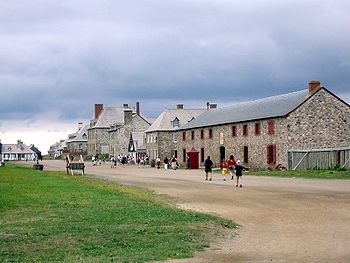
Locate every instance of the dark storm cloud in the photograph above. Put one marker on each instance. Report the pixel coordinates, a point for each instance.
(65, 56)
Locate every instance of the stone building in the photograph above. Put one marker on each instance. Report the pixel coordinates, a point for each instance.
(77, 142)
(130, 131)
(161, 136)
(260, 133)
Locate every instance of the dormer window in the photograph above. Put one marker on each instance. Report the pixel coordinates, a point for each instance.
(175, 122)
(84, 136)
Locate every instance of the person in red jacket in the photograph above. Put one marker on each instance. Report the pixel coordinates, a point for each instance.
(224, 167)
(231, 166)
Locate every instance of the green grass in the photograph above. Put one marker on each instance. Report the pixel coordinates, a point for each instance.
(54, 217)
(312, 174)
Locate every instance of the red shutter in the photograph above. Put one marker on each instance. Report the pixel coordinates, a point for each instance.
(274, 154)
(268, 154)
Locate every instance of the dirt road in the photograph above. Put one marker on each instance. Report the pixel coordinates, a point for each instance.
(282, 219)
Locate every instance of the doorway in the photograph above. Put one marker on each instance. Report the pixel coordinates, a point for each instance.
(222, 153)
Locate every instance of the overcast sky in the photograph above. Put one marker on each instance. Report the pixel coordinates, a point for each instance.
(59, 58)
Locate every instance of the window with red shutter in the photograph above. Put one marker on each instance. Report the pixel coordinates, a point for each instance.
(271, 154)
(192, 135)
(271, 127)
(245, 154)
(184, 136)
(245, 130)
(210, 133)
(257, 129)
(234, 131)
(202, 134)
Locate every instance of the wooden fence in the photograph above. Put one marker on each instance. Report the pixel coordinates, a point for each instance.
(319, 158)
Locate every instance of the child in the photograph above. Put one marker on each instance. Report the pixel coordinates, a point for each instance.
(224, 167)
(231, 165)
(239, 173)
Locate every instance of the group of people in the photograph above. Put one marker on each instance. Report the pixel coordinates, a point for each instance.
(173, 162)
(231, 165)
(127, 160)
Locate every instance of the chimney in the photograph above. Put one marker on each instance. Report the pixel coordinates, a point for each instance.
(80, 126)
(137, 108)
(127, 115)
(98, 110)
(19, 142)
(208, 105)
(213, 106)
(179, 106)
(314, 85)
(125, 105)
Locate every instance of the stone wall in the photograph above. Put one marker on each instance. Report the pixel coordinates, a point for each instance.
(160, 144)
(98, 140)
(321, 122)
(222, 137)
(119, 139)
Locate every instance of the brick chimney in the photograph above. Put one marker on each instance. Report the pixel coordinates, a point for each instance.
(208, 104)
(137, 108)
(125, 105)
(179, 106)
(213, 106)
(80, 126)
(314, 85)
(98, 110)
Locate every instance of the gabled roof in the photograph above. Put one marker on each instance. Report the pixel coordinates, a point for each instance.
(270, 107)
(79, 135)
(109, 116)
(164, 121)
(16, 148)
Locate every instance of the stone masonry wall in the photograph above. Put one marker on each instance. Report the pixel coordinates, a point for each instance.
(119, 139)
(322, 122)
(222, 137)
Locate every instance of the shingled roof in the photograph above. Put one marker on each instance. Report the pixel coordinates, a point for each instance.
(164, 122)
(270, 107)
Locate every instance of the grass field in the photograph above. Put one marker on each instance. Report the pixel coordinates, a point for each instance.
(51, 217)
(311, 174)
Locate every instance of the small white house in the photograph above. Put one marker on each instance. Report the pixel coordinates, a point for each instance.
(16, 152)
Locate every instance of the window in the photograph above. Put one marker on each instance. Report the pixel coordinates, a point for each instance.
(192, 135)
(257, 129)
(176, 122)
(245, 154)
(210, 133)
(271, 154)
(234, 131)
(202, 154)
(245, 130)
(202, 134)
(271, 127)
(84, 136)
(184, 155)
(174, 137)
(184, 136)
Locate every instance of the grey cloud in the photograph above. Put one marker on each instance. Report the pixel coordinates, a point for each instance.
(69, 55)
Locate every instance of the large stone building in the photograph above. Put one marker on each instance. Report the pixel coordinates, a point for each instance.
(262, 132)
(77, 142)
(161, 136)
(128, 136)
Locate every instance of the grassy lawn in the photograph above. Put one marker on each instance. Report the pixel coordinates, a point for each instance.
(312, 174)
(51, 217)
(317, 174)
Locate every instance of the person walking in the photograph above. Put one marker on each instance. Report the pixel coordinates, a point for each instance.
(231, 165)
(166, 163)
(239, 173)
(208, 164)
(158, 162)
(224, 167)
(173, 163)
